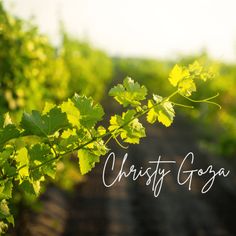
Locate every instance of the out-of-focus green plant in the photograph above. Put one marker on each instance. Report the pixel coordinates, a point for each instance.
(31, 69)
(90, 70)
(153, 73)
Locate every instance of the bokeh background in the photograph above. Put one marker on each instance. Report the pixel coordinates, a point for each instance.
(51, 49)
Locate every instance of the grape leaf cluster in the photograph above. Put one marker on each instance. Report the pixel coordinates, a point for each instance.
(30, 150)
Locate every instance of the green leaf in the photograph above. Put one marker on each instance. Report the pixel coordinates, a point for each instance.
(4, 209)
(7, 120)
(166, 113)
(90, 113)
(186, 87)
(22, 162)
(48, 107)
(7, 133)
(157, 98)
(98, 148)
(49, 169)
(5, 215)
(40, 153)
(3, 228)
(177, 74)
(1, 121)
(69, 140)
(31, 188)
(72, 113)
(152, 114)
(163, 112)
(10, 219)
(48, 124)
(130, 93)
(87, 160)
(195, 68)
(131, 131)
(116, 121)
(8, 170)
(6, 189)
(101, 130)
(206, 75)
(5, 155)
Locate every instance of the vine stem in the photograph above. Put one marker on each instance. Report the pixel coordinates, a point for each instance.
(112, 133)
(183, 105)
(206, 100)
(109, 133)
(172, 95)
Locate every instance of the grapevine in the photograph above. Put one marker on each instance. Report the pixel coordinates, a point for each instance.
(72, 126)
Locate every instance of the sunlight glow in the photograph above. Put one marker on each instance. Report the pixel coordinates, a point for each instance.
(152, 28)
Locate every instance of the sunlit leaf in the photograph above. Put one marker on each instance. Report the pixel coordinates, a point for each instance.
(87, 160)
(129, 93)
(177, 74)
(90, 113)
(44, 125)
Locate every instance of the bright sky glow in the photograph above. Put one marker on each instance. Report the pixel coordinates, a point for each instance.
(154, 28)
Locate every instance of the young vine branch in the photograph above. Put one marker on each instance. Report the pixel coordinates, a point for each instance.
(29, 151)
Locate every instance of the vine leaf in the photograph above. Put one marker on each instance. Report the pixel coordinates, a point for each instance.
(177, 74)
(7, 133)
(68, 127)
(195, 68)
(186, 87)
(6, 190)
(5, 214)
(30, 188)
(183, 78)
(4, 209)
(90, 113)
(47, 107)
(132, 130)
(40, 153)
(130, 93)
(163, 112)
(73, 113)
(87, 160)
(7, 169)
(22, 162)
(48, 124)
